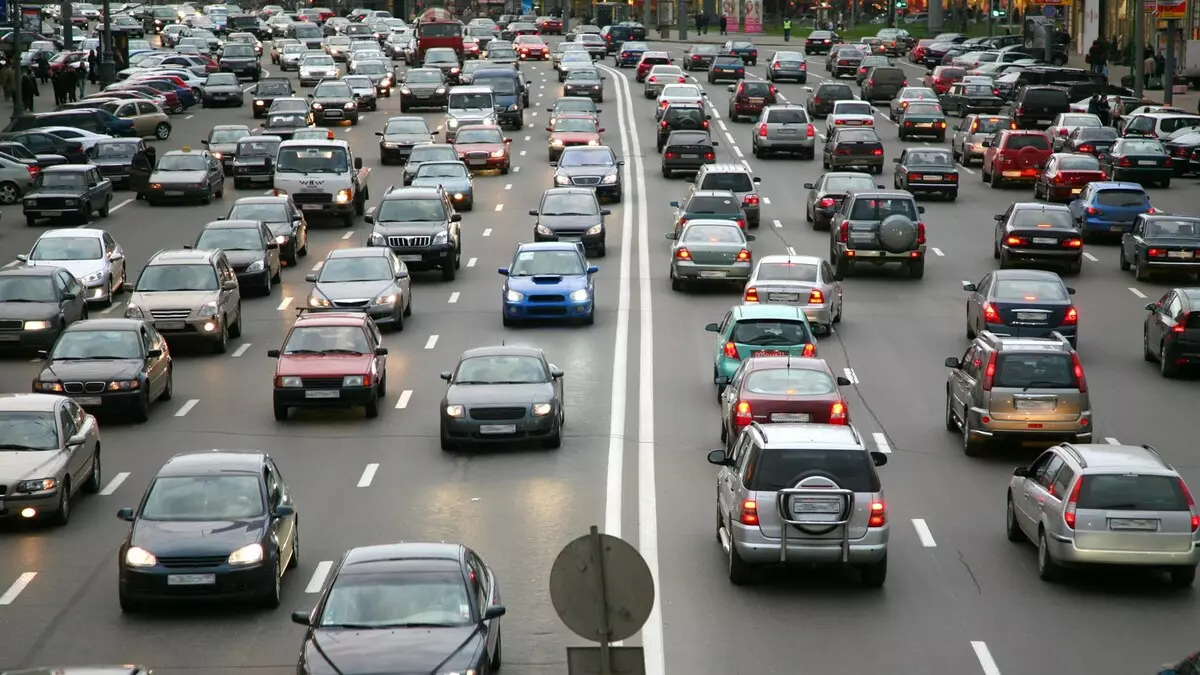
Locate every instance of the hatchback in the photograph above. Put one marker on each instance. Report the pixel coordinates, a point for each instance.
(752, 330)
(1171, 331)
(774, 389)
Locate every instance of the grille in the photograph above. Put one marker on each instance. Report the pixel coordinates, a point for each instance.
(113, 170)
(322, 382)
(569, 233)
(547, 298)
(477, 155)
(170, 314)
(3, 490)
(497, 413)
(358, 304)
(332, 112)
(586, 180)
(409, 242)
(193, 561)
(547, 310)
(9, 324)
(312, 198)
(84, 387)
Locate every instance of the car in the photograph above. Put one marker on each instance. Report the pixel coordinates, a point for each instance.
(266, 90)
(291, 104)
(823, 480)
(52, 452)
(108, 365)
(447, 585)
(749, 98)
(565, 132)
(868, 64)
(781, 390)
(1064, 176)
(352, 370)
(254, 160)
(573, 105)
(726, 67)
(420, 226)
(584, 82)
(189, 294)
(315, 67)
(882, 82)
(197, 494)
(285, 222)
(561, 49)
(222, 142)
(513, 385)
(964, 99)
(966, 142)
(241, 59)
(878, 227)
(708, 205)
(922, 118)
(571, 214)
(784, 128)
(800, 280)
(907, 96)
(531, 48)
(695, 57)
(1014, 156)
(709, 251)
(400, 135)
(483, 147)
(1171, 331)
(186, 174)
(1097, 503)
(845, 60)
(1065, 123)
(847, 147)
(660, 77)
(250, 248)
(222, 89)
(926, 171)
(941, 78)
(1143, 160)
(426, 152)
(680, 116)
(743, 49)
(1036, 107)
(336, 101)
(1029, 232)
(825, 196)
(70, 191)
(1161, 242)
(285, 125)
(596, 167)
(758, 329)
(851, 114)
(469, 106)
(381, 75)
(687, 151)
(363, 89)
(1022, 303)
(1095, 141)
(548, 280)
(1108, 209)
(787, 65)
(37, 304)
(822, 99)
(454, 178)
(678, 93)
(596, 46)
(92, 256)
(820, 42)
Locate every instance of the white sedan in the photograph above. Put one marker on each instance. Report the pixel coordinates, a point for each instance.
(851, 114)
(85, 138)
(678, 93)
(1065, 123)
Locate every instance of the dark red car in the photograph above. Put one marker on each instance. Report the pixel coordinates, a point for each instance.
(483, 147)
(943, 76)
(1065, 175)
(749, 98)
(330, 360)
(549, 25)
(1015, 156)
(782, 389)
(649, 60)
(66, 59)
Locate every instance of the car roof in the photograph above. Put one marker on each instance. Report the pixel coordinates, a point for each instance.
(725, 168)
(214, 462)
(569, 190)
(825, 436)
(1104, 456)
(789, 362)
(67, 168)
(262, 199)
(1098, 186)
(23, 271)
(751, 311)
(232, 225)
(29, 402)
(504, 350)
(1040, 206)
(790, 259)
(105, 324)
(108, 141)
(416, 191)
(359, 252)
(182, 256)
(1029, 274)
(471, 89)
(880, 194)
(331, 319)
(404, 551)
(714, 193)
(72, 232)
(227, 127)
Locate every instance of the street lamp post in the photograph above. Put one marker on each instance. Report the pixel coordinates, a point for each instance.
(106, 70)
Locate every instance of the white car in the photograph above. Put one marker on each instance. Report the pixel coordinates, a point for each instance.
(1065, 123)
(366, 55)
(290, 58)
(85, 138)
(678, 93)
(92, 256)
(660, 76)
(316, 67)
(851, 114)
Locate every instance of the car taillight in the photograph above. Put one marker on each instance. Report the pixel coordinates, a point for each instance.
(878, 514)
(810, 350)
(1166, 161)
(1191, 505)
(837, 413)
(826, 202)
(654, 78)
(995, 92)
(1019, 111)
(742, 414)
(1014, 241)
(904, 83)
(1078, 367)
(989, 373)
(682, 79)
(921, 233)
(1091, 210)
(704, 124)
(878, 152)
(914, 177)
(751, 295)
(663, 104)
(816, 297)
(664, 124)
(1125, 162)
(1179, 328)
(696, 57)
(990, 315)
(762, 131)
(683, 254)
(750, 200)
(1058, 179)
(774, 66)
(710, 155)
(837, 122)
(743, 255)
(812, 131)
(843, 62)
(731, 351)
(844, 232)
(817, 100)
(863, 71)
(1073, 504)
(1072, 317)
(1073, 243)
(33, 171)
(1062, 131)
(748, 515)
(937, 80)
(670, 155)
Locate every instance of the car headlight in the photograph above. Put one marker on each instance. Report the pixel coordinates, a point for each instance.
(31, 202)
(610, 179)
(48, 387)
(71, 202)
(208, 309)
(350, 105)
(562, 180)
(290, 382)
(513, 108)
(281, 239)
(250, 554)
(92, 278)
(580, 295)
(541, 409)
(256, 266)
(318, 106)
(440, 90)
(134, 312)
(557, 143)
(318, 300)
(455, 411)
(37, 485)
(441, 237)
(377, 239)
(514, 296)
(260, 103)
(217, 155)
(595, 229)
(452, 123)
(498, 154)
(37, 325)
(353, 381)
(140, 557)
(542, 229)
(124, 385)
(405, 90)
(343, 196)
(389, 299)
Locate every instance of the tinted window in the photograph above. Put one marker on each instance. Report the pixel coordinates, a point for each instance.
(1173, 228)
(1124, 492)
(391, 599)
(1037, 141)
(327, 339)
(734, 182)
(723, 205)
(790, 382)
(1042, 218)
(713, 234)
(231, 239)
(569, 204)
(836, 91)
(930, 158)
(204, 498)
(500, 368)
(781, 469)
(854, 108)
(787, 116)
(924, 109)
(547, 263)
(1045, 97)
(848, 183)
(1029, 290)
(857, 136)
(411, 210)
(350, 269)
(1079, 163)
(1142, 147)
(66, 248)
(97, 344)
(1126, 198)
(770, 333)
(787, 272)
(1035, 370)
(167, 278)
(879, 209)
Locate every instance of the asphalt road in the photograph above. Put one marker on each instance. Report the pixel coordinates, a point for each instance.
(959, 599)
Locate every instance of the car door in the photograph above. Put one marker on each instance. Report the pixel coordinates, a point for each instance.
(274, 262)
(280, 495)
(898, 168)
(977, 298)
(230, 298)
(374, 340)
(97, 188)
(128, 111)
(1022, 497)
(73, 303)
(1129, 239)
(1041, 500)
(722, 336)
(153, 365)
(75, 458)
(829, 278)
(147, 118)
(1002, 226)
(958, 140)
(728, 477)
(116, 261)
(962, 379)
(729, 399)
(481, 585)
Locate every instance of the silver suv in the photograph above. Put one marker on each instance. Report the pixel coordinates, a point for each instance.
(784, 128)
(1017, 389)
(737, 179)
(189, 294)
(1105, 505)
(801, 493)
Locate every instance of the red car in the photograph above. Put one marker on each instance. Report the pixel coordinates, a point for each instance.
(782, 389)
(483, 147)
(1065, 175)
(942, 77)
(66, 59)
(531, 48)
(330, 360)
(549, 25)
(470, 48)
(749, 98)
(569, 130)
(1016, 156)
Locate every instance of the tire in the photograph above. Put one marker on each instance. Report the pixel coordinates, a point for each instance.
(235, 331)
(875, 574)
(739, 570)
(1122, 261)
(1140, 272)
(916, 269)
(163, 131)
(1011, 529)
(281, 412)
(951, 423)
(449, 272)
(62, 515)
(96, 477)
(128, 604)
(554, 442)
(497, 658)
(273, 596)
(372, 407)
(1165, 367)
(222, 345)
(1048, 568)
(971, 448)
(141, 414)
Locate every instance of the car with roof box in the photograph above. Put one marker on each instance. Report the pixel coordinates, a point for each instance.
(189, 294)
(1036, 233)
(420, 225)
(68, 190)
(781, 390)
(254, 160)
(758, 329)
(548, 281)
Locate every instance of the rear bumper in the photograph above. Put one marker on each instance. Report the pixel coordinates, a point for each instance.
(1069, 332)
(1116, 228)
(690, 271)
(1064, 550)
(1068, 256)
(1078, 430)
(799, 143)
(757, 549)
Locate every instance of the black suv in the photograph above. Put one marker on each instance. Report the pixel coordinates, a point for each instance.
(877, 227)
(240, 59)
(420, 226)
(266, 91)
(681, 117)
(1036, 107)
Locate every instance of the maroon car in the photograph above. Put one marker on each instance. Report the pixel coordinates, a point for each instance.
(782, 389)
(749, 98)
(1065, 175)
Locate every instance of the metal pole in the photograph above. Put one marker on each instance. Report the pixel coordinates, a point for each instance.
(1139, 48)
(891, 15)
(1048, 47)
(681, 19)
(853, 13)
(991, 20)
(646, 14)
(935, 17)
(67, 26)
(1169, 73)
(605, 630)
(14, 62)
(106, 71)
(1009, 15)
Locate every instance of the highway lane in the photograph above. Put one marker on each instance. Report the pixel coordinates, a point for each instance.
(386, 478)
(976, 603)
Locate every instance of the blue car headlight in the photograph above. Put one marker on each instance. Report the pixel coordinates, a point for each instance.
(581, 295)
(513, 296)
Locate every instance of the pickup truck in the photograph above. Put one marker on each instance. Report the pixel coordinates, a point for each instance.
(324, 179)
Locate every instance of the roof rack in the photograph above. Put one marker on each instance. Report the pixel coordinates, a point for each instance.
(1151, 450)
(1075, 454)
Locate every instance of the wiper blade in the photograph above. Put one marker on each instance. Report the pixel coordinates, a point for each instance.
(418, 624)
(342, 351)
(1043, 383)
(19, 446)
(362, 626)
(304, 351)
(90, 358)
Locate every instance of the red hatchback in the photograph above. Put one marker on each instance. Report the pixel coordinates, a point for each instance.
(940, 78)
(1015, 156)
(1065, 175)
(330, 360)
(749, 98)
(782, 389)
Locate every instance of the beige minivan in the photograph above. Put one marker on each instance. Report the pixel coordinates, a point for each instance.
(148, 118)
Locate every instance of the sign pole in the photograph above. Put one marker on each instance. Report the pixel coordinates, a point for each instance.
(1139, 48)
(601, 583)
(1169, 73)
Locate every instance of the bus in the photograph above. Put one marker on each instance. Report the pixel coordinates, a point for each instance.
(436, 28)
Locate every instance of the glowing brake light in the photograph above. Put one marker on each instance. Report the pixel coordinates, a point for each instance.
(742, 414)
(878, 152)
(743, 255)
(810, 350)
(826, 202)
(730, 351)
(816, 297)
(1071, 318)
(1178, 328)
(683, 254)
(762, 131)
(1073, 504)
(664, 124)
(812, 131)
(990, 315)
(878, 514)
(1191, 505)
(682, 79)
(654, 78)
(1091, 210)
(1014, 241)
(1078, 368)
(1073, 243)
(837, 413)
(750, 200)
(989, 373)
(751, 295)
(749, 512)
(844, 232)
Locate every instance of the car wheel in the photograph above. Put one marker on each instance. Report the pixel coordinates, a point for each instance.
(96, 476)
(497, 659)
(1165, 367)
(163, 131)
(1121, 260)
(1140, 271)
(273, 597)
(739, 570)
(951, 422)
(1011, 527)
(142, 412)
(970, 446)
(222, 344)
(1183, 577)
(62, 515)
(235, 331)
(265, 289)
(554, 442)
(875, 574)
(1048, 568)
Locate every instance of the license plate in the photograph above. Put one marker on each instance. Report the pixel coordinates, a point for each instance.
(930, 177)
(1011, 174)
(191, 579)
(52, 213)
(9, 337)
(1044, 121)
(498, 429)
(1033, 405)
(259, 178)
(869, 254)
(1030, 316)
(712, 274)
(924, 125)
(756, 101)
(410, 258)
(791, 417)
(1144, 524)
(804, 507)
(689, 156)
(858, 236)
(1044, 240)
(174, 193)
(1179, 254)
(1147, 162)
(783, 297)
(1116, 228)
(1076, 191)
(322, 393)
(87, 400)
(310, 207)
(787, 132)
(768, 352)
(477, 162)
(169, 325)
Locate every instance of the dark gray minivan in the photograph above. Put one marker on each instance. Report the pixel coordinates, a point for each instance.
(883, 83)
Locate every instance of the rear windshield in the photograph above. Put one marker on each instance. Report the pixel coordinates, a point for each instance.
(837, 91)
(701, 205)
(1130, 492)
(887, 74)
(952, 73)
(756, 88)
(858, 136)
(880, 209)
(787, 116)
(1051, 370)
(782, 469)
(1029, 290)
(1121, 198)
(734, 182)
(770, 333)
(790, 382)
(1016, 142)
(1043, 218)
(787, 272)
(854, 108)
(1171, 124)
(1079, 163)
(1049, 97)
(1187, 229)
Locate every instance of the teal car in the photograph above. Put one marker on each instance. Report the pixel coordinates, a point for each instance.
(758, 330)
(922, 119)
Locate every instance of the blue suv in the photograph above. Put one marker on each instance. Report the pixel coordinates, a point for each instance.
(549, 280)
(1109, 209)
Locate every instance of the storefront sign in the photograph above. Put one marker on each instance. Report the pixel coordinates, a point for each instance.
(1168, 9)
(753, 16)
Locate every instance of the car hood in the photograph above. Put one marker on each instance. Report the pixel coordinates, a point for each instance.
(390, 650)
(569, 222)
(409, 227)
(449, 184)
(406, 139)
(28, 310)
(424, 86)
(91, 370)
(222, 88)
(547, 283)
(468, 115)
(337, 101)
(178, 177)
(171, 299)
(239, 258)
(515, 394)
(57, 193)
(354, 290)
(25, 464)
(584, 170)
(326, 365)
(78, 268)
(173, 538)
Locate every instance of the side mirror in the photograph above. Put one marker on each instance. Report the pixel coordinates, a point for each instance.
(125, 514)
(456, 218)
(671, 235)
(895, 160)
(600, 130)
(262, 125)
(42, 353)
(310, 95)
(809, 186)
(731, 89)
(273, 353)
(549, 110)
(205, 143)
(77, 439)
(1021, 472)
(879, 187)
(508, 140)
(503, 271)
(720, 380)
(953, 362)
(592, 269)
(606, 212)
(554, 165)
(757, 179)
(533, 212)
(311, 277)
(445, 375)
(675, 204)
(272, 245)
(719, 458)
(878, 458)
(494, 612)
(370, 218)
(970, 288)
(998, 217)
(715, 143)
(1070, 291)
(358, 162)
(23, 258)
(302, 618)
(708, 117)
(843, 381)
(555, 371)
(282, 511)
(1151, 306)
(712, 327)
(986, 144)
(378, 133)
(69, 296)
(153, 353)
(921, 210)
(750, 237)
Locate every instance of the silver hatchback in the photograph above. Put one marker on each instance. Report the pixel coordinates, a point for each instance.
(802, 280)
(801, 493)
(784, 128)
(1104, 505)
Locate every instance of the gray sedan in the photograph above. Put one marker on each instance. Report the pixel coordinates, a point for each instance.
(788, 129)
(709, 251)
(504, 394)
(800, 280)
(371, 280)
(584, 82)
(787, 66)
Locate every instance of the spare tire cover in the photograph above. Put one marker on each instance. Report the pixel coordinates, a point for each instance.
(897, 234)
(687, 124)
(817, 479)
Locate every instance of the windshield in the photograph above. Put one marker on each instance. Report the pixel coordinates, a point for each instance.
(770, 332)
(787, 272)
(440, 57)
(370, 68)
(305, 30)
(231, 239)
(267, 213)
(881, 209)
(432, 153)
(202, 498)
(287, 120)
(733, 181)
(930, 158)
(790, 382)
(1122, 198)
(500, 369)
(1098, 134)
(586, 157)
(583, 74)
(340, 90)
(1184, 229)
(467, 136)
(26, 289)
(924, 109)
(182, 163)
(547, 263)
(1038, 141)
(442, 170)
(67, 248)
(439, 29)
(365, 268)
(854, 108)
(569, 204)
(680, 91)
(423, 77)
(338, 41)
(989, 125)
(1041, 370)
(294, 49)
(273, 89)
(257, 148)
(228, 135)
(1029, 290)
(326, 339)
(62, 180)
(357, 82)
(411, 210)
(237, 50)
(705, 204)
(28, 431)
(576, 125)
(1042, 218)
(317, 62)
(97, 344)
(166, 278)
(315, 159)
(398, 599)
(915, 94)
(470, 102)
(713, 234)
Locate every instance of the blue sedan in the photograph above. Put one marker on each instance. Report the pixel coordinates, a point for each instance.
(1109, 208)
(629, 54)
(549, 280)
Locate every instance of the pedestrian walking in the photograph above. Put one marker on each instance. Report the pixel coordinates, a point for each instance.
(1094, 105)
(43, 68)
(81, 80)
(724, 24)
(28, 89)
(70, 86)
(787, 29)
(91, 66)
(1104, 111)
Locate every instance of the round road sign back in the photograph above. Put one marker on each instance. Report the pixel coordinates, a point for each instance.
(1049, 12)
(585, 602)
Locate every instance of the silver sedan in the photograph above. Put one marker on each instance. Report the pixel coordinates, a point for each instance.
(709, 251)
(801, 280)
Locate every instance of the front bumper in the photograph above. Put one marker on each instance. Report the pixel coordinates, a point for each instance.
(418, 101)
(686, 270)
(250, 70)
(229, 583)
(567, 309)
(395, 151)
(43, 503)
(109, 401)
(529, 427)
(335, 115)
(175, 193)
(260, 176)
(224, 99)
(330, 209)
(594, 93)
(46, 212)
(208, 329)
(757, 549)
(434, 257)
(343, 397)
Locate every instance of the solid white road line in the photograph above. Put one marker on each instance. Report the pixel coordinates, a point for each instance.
(1137, 292)
(405, 397)
(1091, 257)
(985, 657)
(16, 588)
(499, 207)
(923, 533)
(850, 375)
(472, 261)
(368, 475)
(114, 484)
(431, 342)
(1111, 441)
(187, 407)
(317, 582)
(348, 235)
(882, 443)
(241, 350)
(453, 297)
(284, 303)
(938, 252)
(111, 308)
(487, 232)
(776, 223)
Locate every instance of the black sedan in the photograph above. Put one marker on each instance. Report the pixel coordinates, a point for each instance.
(1162, 243)
(37, 304)
(251, 249)
(825, 196)
(216, 525)
(281, 217)
(571, 214)
(963, 99)
(119, 365)
(820, 42)
(591, 166)
(400, 135)
(1022, 303)
(502, 394)
(334, 101)
(1171, 331)
(926, 171)
(1180, 147)
(584, 82)
(1141, 160)
(423, 88)
(698, 57)
(743, 49)
(687, 151)
(254, 161)
(405, 608)
(1038, 234)
(1094, 141)
(284, 124)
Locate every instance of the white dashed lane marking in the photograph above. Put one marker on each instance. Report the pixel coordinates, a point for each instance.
(284, 303)
(431, 342)
(1137, 292)
(985, 657)
(405, 397)
(923, 533)
(938, 252)
(499, 207)
(348, 235)
(508, 186)
(453, 297)
(186, 407)
(240, 350)
(368, 475)
(882, 443)
(776, 223)
(737, 151)
(19, 585)
(1091, 257)
(766, 201)
(114, 484)
(791, 251)
(487, 232)
(472, 261)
